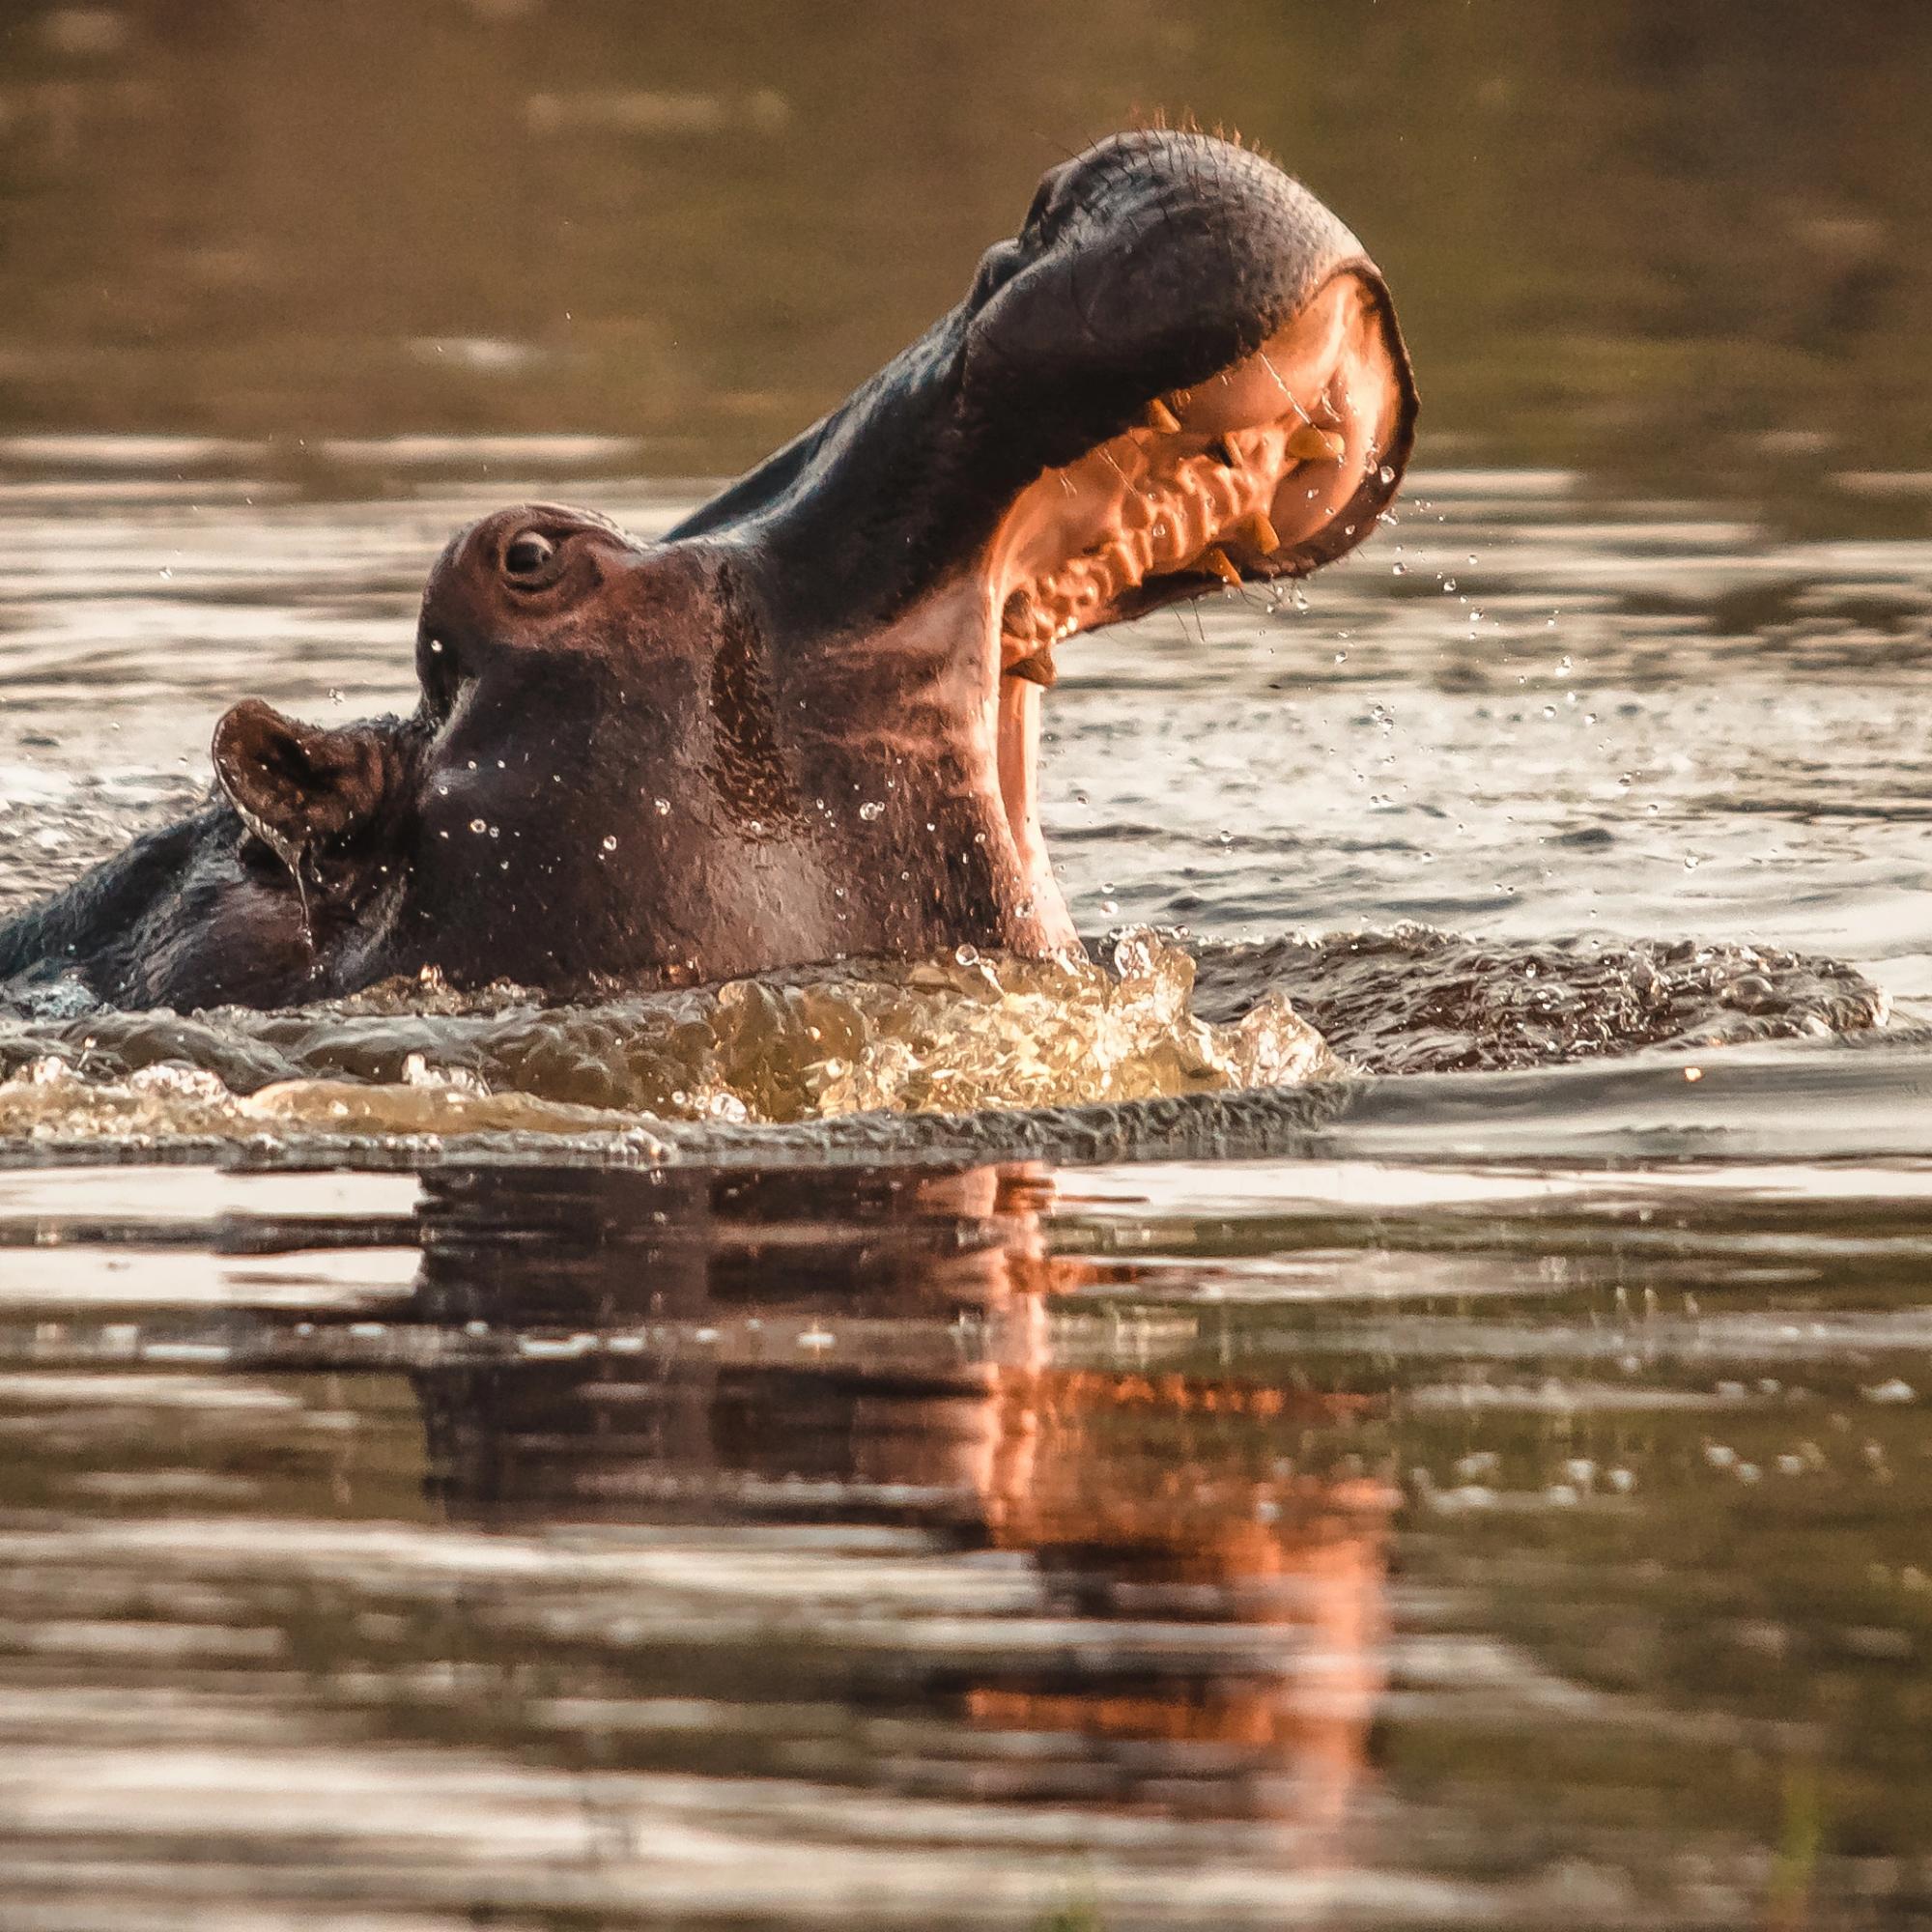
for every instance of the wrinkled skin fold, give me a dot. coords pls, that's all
(802, 726)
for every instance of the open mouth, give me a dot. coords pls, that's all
(1273, 467)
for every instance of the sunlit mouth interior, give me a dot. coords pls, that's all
(1270, 467)
(1236, 479)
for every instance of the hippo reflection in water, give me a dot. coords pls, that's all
(1210, 1547)
(802, 725)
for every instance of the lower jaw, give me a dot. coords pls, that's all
(1041, 915)
(918, 712)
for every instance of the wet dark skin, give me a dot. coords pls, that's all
(802, 726)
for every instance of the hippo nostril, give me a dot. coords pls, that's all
(527, 554)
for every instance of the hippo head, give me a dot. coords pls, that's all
(590, 785)
(802, 726)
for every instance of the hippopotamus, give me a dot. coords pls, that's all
(802, 726)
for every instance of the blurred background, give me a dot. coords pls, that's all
(1684, 248)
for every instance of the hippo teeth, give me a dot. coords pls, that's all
(1309, 442)
(1198, 514)
(1222, 565)
(1258, 533)
(1236, 478)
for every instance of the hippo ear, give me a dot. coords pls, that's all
(298, 786)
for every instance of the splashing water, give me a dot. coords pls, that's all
(953, 1036)
(1144, 1021)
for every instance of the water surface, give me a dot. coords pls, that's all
(472, 1484)
(1372, 1544)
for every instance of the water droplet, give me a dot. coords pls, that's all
(1399, 570)
(610, 841)
(663, 806)
(1385, 475)
(477, 825)
(167, 575)
(967, 956)
(871, 810)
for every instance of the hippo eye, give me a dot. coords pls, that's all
(527, 554)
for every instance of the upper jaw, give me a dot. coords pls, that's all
(1154, 263)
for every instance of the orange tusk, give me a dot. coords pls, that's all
(1160, 417)
(1259, 532)
(1216, 560)
(1307, 443)
(1037, 669)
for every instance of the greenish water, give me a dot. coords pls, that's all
(1685, 245)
